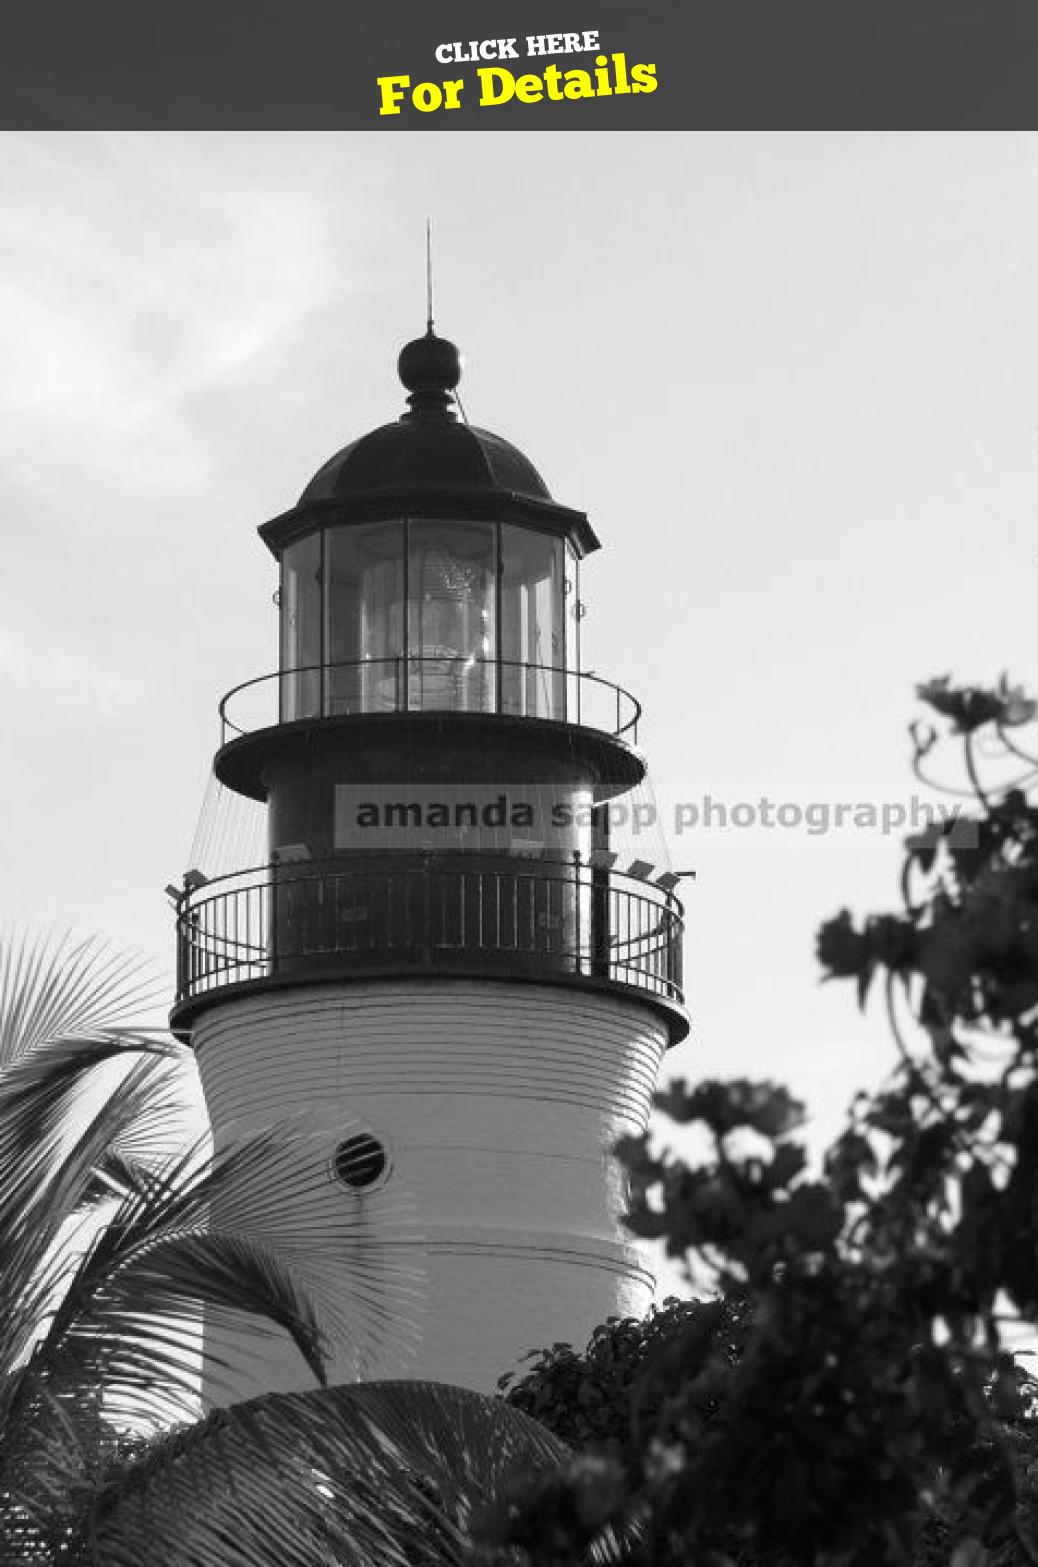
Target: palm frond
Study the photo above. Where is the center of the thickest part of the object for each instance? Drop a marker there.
(375, 1475)
(107, 1314)
(263, 1196)
(42, 1094)
(190, 1235)
(381, 1473)
(287, 1200)
(54, 985)
(47, 1163)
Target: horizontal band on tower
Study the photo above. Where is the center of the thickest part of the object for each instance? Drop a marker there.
(529, 1246)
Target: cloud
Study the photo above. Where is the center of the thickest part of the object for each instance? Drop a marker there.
(139, 271)
(61, 682)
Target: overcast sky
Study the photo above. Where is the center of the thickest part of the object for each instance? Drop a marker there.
(791, 377)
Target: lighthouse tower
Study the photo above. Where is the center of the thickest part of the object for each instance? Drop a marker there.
(448, 959)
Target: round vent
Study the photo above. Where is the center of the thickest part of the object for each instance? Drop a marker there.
(361, 1161)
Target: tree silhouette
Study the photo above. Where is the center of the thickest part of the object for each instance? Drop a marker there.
(861, 1407)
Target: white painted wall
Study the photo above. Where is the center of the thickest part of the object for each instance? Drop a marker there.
(498, 1229)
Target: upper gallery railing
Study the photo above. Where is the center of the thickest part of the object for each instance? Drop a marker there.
(430, 684)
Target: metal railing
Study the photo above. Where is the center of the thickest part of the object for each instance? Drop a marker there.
(545, 917)
(429, 684)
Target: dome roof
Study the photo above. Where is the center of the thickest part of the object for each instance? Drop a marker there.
(427, 447)
(446, 455)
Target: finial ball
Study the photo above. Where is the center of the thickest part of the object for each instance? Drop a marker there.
(430, 363)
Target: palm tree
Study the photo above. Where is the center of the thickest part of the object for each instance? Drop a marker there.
(105, 1262)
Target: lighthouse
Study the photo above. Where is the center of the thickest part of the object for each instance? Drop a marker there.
(451, 962)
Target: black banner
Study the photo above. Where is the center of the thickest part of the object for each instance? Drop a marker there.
(566, 65)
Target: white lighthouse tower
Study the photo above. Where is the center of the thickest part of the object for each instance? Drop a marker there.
(445, 961)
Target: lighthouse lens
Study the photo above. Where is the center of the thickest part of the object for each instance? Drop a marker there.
(360, 1161)
(452, 636)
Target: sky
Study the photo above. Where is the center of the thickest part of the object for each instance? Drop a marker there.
(790, 376)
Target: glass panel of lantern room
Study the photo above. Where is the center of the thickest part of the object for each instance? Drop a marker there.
(301, 629)
(451, 632)
(574, 609)
(364, 618)
(533, 624)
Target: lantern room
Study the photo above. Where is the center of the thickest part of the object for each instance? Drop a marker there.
(471, 615)
(426, 568)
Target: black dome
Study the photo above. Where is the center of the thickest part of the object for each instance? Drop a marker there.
(427, 448)
(425, 455)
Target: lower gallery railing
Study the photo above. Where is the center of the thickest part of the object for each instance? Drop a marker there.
(531, 917)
